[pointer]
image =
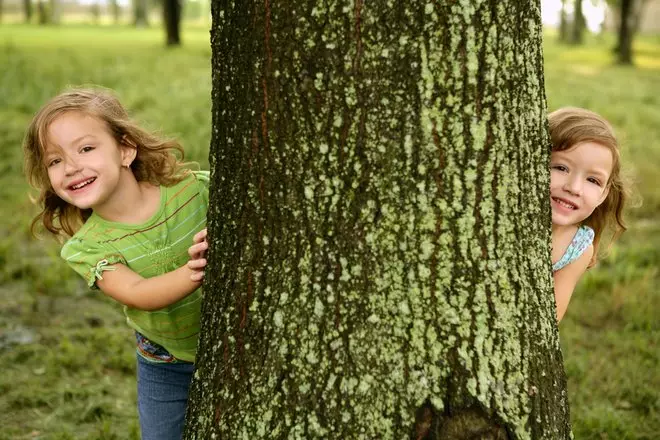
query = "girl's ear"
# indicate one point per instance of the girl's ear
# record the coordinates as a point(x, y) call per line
point(128, 151)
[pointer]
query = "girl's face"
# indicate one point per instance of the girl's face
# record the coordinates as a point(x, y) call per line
point(84, 161)
point(579, 180)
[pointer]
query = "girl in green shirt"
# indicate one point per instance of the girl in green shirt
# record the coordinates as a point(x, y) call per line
point(130, 209)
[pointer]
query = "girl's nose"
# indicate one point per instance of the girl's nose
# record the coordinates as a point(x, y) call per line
point(573, 185)
point(71, 166)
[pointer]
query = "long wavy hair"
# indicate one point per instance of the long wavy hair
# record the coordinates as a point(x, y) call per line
point(158, 160)
point(570, 126)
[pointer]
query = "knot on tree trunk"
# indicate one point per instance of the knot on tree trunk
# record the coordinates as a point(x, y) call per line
point(470, 423)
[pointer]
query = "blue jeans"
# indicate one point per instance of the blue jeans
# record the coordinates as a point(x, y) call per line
point(162, 391)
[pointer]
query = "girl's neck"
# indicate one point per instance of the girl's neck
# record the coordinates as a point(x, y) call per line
point(560, 229)
point(135, 202)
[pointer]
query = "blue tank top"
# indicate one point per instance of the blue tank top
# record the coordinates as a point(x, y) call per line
point(581, 241)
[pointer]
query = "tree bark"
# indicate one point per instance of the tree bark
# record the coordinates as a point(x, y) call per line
point(624, 44)
point(171, 20)
point(141, 13)
point(577, 30)
point(379, 263)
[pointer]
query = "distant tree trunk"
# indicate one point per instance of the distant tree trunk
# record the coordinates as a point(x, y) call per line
point(637, 15)
point(379, 224)
point(624, 44)
point(577, 31)
point(27, 8)
point(44, 15)
point(95, 9)
point(55, 12)
point(116, 11)
point(141, 12)
point(563, 23)
point(171, 19)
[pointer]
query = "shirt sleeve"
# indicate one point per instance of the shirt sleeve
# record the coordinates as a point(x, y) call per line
point(89, 259)
point(203, 181)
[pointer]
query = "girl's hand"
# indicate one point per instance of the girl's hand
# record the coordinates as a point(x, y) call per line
point(197, 253)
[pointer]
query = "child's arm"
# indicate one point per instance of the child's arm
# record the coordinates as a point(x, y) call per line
point(566, 279)
point(131, 289)
point(197, 253)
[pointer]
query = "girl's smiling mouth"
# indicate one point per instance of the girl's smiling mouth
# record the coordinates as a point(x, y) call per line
point(565, 203)
point(81, 184)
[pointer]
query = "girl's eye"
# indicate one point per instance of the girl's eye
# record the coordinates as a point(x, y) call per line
point(559, 168)
point(594, 181)
point(54, 162)
point(86, 149)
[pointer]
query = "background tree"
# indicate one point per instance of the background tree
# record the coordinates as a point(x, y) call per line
point(115, 9)
point(629, 14)
point(141, 13)
point(577, 29)
point(563, 23)
point(379, 223)
point(95, 11)
point(27, 8)
point(626, 32)
point(171, 20)
point(44, 11)
point(55, 12)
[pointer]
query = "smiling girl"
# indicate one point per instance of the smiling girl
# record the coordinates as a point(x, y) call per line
point(129, 209)
point(587, 194)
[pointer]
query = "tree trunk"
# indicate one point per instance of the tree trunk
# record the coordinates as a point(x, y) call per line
point(171, 19)
point(577, 30)
point(379, 263)
point(563, 23)
point(44, 15)
point(636, 19)
point(115, 10)
point(141, 13)
point(55, 12)
point(27, 8)
point(624, 44)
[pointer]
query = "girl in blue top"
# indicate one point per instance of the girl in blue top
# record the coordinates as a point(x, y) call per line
point(587, 194)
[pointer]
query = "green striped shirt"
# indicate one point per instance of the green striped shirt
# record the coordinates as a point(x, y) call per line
point(155, 247)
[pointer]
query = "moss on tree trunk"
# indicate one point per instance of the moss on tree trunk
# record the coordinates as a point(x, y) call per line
point(379, 221)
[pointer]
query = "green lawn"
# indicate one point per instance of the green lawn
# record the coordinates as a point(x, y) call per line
point(66, 354)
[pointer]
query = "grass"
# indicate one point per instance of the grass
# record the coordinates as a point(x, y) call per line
point(66, 353)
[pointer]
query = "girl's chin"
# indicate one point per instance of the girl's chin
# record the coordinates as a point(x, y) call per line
point(561, 220)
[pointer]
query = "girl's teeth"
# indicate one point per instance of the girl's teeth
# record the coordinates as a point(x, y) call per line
point(80, 185)
point(564, 204)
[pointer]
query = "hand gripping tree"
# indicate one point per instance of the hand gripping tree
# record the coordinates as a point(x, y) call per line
point(379, 262)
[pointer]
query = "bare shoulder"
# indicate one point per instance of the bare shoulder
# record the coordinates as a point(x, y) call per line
point(566, 279)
